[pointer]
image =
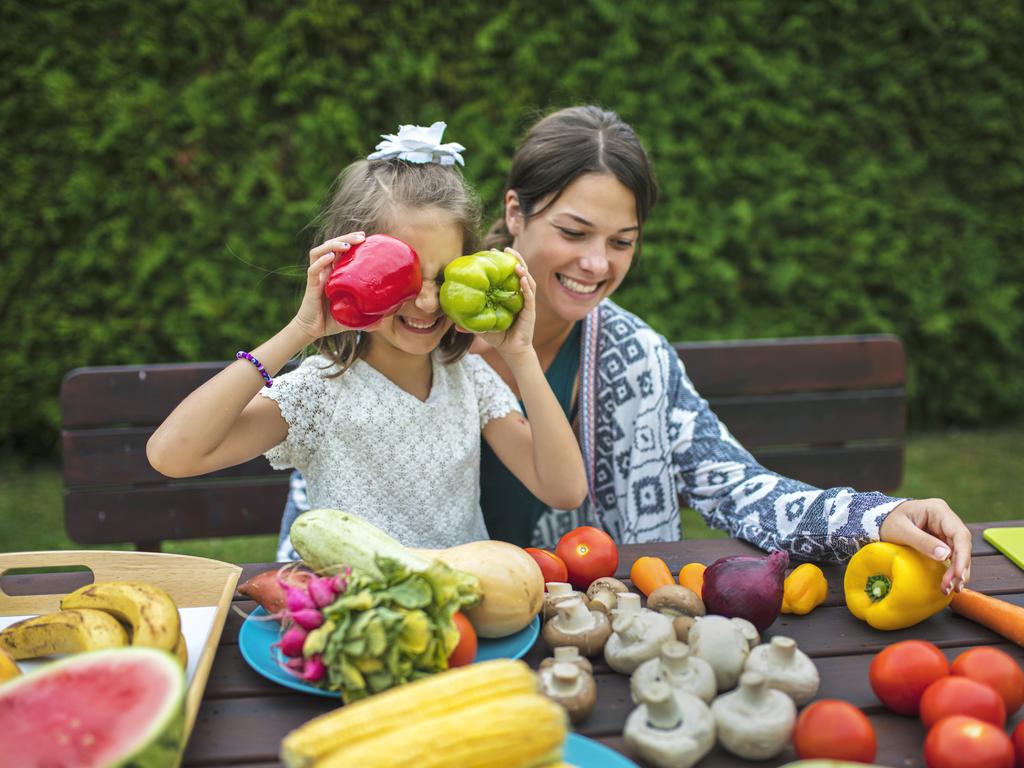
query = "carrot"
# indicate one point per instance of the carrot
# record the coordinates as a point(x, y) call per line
point(998, 615)
point(649, 573)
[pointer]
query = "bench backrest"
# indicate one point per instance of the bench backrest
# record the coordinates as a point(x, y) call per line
point(829, 411)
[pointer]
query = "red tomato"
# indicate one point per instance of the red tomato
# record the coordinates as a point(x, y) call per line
point(834, 730)
point(966, 742)
point(465, 651)
point(551, 565)
point(961, 696)
point(994, 668)
point(900, 673)
point(588, 553)
point(1018, 743)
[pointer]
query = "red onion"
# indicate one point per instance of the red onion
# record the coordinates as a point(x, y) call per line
point(747, 587)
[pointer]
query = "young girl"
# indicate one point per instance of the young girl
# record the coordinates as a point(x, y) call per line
point(385, 423)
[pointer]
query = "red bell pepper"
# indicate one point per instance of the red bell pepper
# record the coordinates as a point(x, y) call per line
point(371, 280)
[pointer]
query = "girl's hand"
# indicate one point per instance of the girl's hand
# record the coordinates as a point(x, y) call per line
point(931, 527)
point(519, 337)
point(313, 317)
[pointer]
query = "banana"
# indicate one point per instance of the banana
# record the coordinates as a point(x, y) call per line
point(148, 610)
point(181, 651)
point(8, 668)
point(70, 631)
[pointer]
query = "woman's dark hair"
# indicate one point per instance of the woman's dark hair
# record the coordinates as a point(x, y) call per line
point(566, 145)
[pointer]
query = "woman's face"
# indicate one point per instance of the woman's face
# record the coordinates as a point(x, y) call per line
point(418, 325)
point(580, 247)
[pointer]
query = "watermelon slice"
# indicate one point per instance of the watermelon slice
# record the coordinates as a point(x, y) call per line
point(101, 708)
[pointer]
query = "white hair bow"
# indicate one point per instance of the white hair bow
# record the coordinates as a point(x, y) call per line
point(417, 144)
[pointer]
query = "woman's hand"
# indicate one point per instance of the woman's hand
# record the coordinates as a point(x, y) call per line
point(519, 337)
point(313, 317)
point(931, 527)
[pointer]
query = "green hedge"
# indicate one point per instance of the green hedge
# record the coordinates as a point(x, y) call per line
point(835, 167)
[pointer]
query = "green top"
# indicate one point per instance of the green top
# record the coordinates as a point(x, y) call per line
point(510, 510)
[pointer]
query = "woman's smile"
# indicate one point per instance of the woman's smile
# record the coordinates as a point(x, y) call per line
point(577, 287)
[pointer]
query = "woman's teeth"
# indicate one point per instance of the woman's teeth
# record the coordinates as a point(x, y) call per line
point(576, 286)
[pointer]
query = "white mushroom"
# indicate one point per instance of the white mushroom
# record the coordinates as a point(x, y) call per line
point(785, 668)
point(754, 722)
point(569, 654)
point(675, 600)
point(720, 642)
point(575, 624)
point(682, 672)
point(682, 626)
point(571, 687)
point(627, 602)
point(636, 637)
point(603, 593)
point(749, 631)
point(555, 592)
point(669, 730)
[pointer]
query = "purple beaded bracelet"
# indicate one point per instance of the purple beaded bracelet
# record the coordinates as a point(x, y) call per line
point(240, 355)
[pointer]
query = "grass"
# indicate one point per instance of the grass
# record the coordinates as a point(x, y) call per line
point(977, 472)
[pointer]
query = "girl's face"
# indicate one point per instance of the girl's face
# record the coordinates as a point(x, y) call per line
point(418, 325)
point(580, 247)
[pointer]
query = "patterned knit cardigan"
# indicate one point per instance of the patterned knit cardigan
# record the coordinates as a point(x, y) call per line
point(650, 440)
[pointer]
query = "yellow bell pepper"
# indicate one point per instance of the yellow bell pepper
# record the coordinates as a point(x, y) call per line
point(804, 589)
point(891, 586)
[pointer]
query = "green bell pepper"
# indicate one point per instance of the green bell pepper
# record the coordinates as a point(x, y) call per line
point(481, 291)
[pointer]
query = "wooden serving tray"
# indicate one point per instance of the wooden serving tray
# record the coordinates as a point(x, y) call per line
point(192, 582)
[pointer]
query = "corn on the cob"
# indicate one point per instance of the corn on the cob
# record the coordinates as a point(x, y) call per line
point(519, 731)
point(413, 702)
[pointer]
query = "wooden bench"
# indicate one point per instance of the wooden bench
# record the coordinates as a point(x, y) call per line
point(828, 410)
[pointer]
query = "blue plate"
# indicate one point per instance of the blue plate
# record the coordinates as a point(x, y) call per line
point(258, 634)
point(579, 750)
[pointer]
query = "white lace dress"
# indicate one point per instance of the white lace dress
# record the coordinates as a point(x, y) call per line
point(366, 446)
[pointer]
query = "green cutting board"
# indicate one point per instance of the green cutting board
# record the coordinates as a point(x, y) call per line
point(1009, 541)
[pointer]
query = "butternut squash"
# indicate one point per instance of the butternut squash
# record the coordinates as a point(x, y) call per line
point(511, 580)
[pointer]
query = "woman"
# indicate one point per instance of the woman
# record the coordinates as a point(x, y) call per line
point(579, 191)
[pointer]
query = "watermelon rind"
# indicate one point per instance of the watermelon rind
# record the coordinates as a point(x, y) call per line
point(157, 746)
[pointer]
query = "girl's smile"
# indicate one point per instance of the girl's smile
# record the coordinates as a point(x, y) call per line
point(420, 325)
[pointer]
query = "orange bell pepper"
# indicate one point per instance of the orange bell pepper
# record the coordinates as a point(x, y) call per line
point(649, 573)
point(691, 576)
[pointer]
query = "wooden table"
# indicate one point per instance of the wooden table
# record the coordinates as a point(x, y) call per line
point(244, 716)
